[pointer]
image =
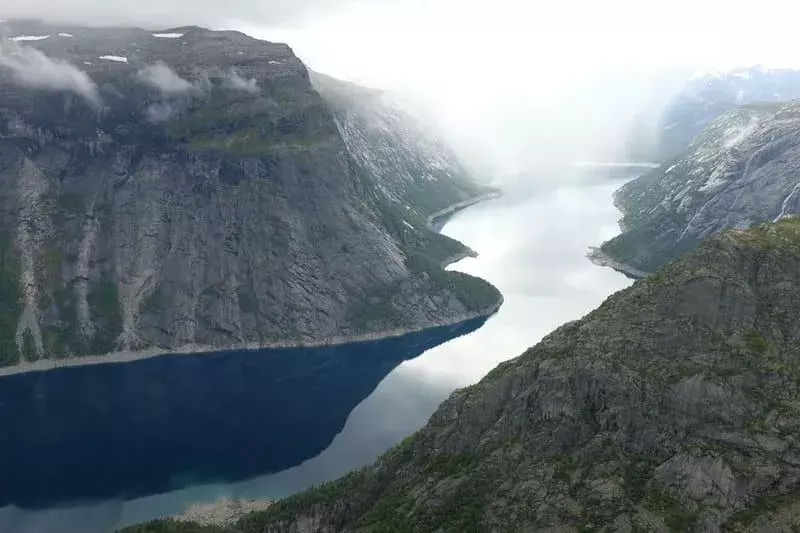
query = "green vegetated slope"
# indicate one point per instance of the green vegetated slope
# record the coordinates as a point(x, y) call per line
point(675, 406)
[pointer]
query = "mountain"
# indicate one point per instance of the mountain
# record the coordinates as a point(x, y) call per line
point(412, 165)
point(672, 407)
point(707, 97)
point(741, 171)
point(189, 189)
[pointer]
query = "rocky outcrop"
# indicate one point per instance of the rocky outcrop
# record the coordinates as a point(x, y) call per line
point(742, 170)
point(186, 187)
point(223, 512)
point(672, 407)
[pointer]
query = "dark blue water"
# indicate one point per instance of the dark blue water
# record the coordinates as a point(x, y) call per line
point(118, 431)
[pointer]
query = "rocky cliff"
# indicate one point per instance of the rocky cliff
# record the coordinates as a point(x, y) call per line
point(188, 188)
point(742, 170)
point(412, 165)
point(672, 407)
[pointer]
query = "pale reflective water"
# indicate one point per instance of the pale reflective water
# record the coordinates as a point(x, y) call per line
point(532, 246)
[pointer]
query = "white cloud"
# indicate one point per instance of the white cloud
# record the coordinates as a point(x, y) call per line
point(233, 80)
point(500, 76)
point(511, 80)
point(22, 38)
point(159, 112)
point(163, 78)
point(32, 68)
point(157, 14)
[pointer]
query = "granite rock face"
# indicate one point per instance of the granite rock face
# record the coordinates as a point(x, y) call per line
point(412, 165)
point(672, 407)
point(741, 171)
point(191, 188)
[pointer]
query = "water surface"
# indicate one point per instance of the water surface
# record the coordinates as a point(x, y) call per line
point(532, 245)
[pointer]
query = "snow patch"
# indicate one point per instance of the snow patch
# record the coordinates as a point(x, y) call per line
point(407, 224)
point(65, 35)
point(29, 38)
point(168, 35)
point(118, 59)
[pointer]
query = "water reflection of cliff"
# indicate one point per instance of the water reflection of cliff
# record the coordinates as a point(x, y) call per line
point(114, 430)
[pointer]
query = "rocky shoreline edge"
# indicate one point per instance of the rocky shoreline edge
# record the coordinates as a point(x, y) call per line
point(437, 220)
point(194, 349)
point(223, 512)
point(602, 259)
point(44, 365)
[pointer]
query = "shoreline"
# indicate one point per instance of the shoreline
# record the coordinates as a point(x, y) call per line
point(602, 259)
point(455, 258)
point(437, 220)
point(44, 365)
point(223, 512)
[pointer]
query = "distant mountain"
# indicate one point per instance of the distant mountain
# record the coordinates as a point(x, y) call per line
point(708, 97)
point(187, 189)
point(740, 171)
point(673, 407)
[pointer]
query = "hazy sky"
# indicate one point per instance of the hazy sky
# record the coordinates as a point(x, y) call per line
point(497, 64)
point(572, 32)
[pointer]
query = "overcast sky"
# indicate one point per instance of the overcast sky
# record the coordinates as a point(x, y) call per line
point(476, 60)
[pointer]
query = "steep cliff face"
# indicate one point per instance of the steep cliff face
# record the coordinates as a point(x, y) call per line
point(742, 170)
point(708, 97)
point(672, 407)
point(411, 164)
point(191, 188)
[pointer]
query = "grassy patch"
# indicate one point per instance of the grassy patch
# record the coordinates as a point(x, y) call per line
point(637, 476)
point(755, 341)
point(10, 300)
point(677, 516)
point(72, 204)
point(106, 313)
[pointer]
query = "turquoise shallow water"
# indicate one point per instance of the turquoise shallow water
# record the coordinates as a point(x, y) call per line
point(532, 245)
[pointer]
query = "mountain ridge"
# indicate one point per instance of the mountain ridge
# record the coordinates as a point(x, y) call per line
point(709, 96)
point(740, 171)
